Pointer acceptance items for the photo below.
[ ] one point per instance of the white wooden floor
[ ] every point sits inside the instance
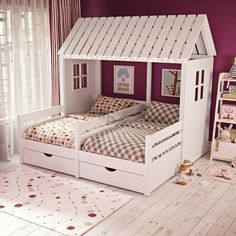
(203, 207)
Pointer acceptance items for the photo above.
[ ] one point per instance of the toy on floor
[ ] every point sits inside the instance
(233, 162)
(185, 173)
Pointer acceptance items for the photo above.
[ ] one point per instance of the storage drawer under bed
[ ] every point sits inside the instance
(112, 177)
(49, 161)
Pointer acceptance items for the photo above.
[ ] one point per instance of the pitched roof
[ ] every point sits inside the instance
(146, 38)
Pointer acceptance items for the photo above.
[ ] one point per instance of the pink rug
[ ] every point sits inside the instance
(64, 204)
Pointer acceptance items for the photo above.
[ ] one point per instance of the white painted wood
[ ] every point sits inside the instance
(153, 36)
(222, 150)
(143, 36)
(207, 38)
(77, 37)
(197, 195)
(151, 174)
(232, 229)
(117, 36)
(225, 151)
(27, 229)
(111, 162)
(65, 160)
(71, 36)
(93, 36)
(17, 224)
(162, 37)
(133, 39)
(193, 36)
(182, 37)
(125, 37)
(85, 38)
(195, 121)
(115, 177)
(196, 216)
(149, 82)
(224, 221)
(215, 212)
(108, 37)
(172, 37)
(57, 163)
(102, 34)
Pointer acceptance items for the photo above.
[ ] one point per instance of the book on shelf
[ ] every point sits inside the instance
(228, 112)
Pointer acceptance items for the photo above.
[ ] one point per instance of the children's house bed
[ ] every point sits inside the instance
(183, 40)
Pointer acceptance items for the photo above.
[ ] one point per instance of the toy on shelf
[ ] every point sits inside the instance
(228, 112)
(225, 134)
(232, 72)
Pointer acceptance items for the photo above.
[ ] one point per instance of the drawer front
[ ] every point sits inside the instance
(112, 177)
(49, 161)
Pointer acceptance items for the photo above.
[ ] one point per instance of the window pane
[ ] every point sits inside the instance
(202, 80)
(197, 77)
(84, 69)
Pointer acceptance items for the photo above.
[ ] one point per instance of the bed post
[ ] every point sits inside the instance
(147, 159)
(62, 82)
(149, 82)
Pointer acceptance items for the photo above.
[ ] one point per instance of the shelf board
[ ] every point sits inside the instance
(227, 99)
(230, 80)
(226, 121)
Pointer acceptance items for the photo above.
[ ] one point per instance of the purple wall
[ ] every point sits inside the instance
(222, 20)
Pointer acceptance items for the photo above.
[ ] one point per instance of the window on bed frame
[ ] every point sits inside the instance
(199, 85)
(80, 76)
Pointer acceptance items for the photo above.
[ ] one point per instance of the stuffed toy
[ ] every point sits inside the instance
(225, 134)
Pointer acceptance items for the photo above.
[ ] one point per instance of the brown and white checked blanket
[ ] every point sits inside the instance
(58, 132)
(125, 141)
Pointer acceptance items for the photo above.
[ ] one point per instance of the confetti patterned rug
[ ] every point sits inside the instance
(64, 204)
(223, 173)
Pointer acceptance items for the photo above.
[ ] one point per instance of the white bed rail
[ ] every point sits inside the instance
(162, 155)
(111, 119)
(24, 121)
(162, 142)
(41, 113)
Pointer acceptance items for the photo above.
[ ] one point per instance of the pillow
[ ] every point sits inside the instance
(105, 105)
(164, 113)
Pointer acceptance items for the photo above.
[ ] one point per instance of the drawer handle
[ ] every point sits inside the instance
(47, 154)
(110, 169)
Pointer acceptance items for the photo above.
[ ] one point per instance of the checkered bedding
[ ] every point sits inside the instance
(125, 141)
(58, 132)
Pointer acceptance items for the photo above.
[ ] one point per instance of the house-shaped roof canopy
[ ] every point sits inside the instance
(147, 38)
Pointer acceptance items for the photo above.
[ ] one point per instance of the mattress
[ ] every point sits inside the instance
(58, 132)
(125, 141)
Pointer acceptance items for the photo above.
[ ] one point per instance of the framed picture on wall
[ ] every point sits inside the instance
(171, 80)
(124, 79)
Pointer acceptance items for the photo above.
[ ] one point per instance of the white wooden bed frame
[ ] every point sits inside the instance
(55, 157)
(181, 39)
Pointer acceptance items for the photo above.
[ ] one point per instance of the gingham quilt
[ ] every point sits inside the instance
(58, 132)
(125, 141)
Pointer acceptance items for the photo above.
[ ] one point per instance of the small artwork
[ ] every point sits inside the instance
(124, 79)
(171, 82)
